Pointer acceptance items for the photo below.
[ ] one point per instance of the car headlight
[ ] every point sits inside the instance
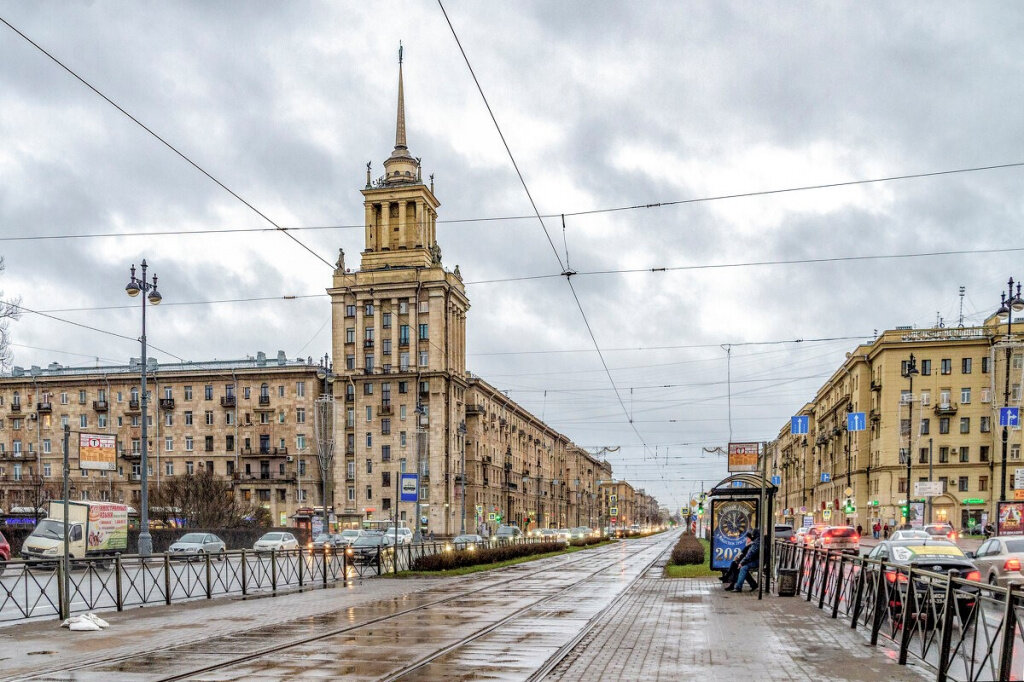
(52, 550)
(349, 551)
(472, 548)
(447, 548)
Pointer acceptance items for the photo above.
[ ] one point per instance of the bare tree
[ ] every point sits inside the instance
(205, 500)
(9, 310)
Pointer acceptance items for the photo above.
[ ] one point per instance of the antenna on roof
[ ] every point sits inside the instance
(963, 290)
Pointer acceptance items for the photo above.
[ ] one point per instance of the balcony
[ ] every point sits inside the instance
(385, 408)
(474, 410)
(15, 408)
(133, 405)
(368, 343)
(130, 454)
(876, 385)
(875, 415)
(166, 403)
(264, 404)
(227, 401)
(100, 405)
(44, 408)
(945, 408)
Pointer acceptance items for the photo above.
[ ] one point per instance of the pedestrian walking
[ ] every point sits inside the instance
(876, 529)
(860, 530)
(749, 561)
(885, 531)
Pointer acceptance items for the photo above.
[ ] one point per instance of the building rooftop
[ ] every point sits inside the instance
(260, 360)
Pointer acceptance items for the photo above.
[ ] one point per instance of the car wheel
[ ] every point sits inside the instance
(992, 579)
(220, 557)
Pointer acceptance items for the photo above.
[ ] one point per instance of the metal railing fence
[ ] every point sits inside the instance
(963, 630)
(33, 589)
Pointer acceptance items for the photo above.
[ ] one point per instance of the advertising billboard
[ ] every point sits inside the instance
(743, 457)
(730, 521)
(1011, 518)
(97, 451)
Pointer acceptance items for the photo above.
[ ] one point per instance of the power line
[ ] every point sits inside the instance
(165, 142)
(596, 211)
(677, 347)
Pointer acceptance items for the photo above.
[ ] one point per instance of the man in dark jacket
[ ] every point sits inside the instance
(749, 561)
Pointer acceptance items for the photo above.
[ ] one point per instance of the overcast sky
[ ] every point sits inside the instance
(603, 105)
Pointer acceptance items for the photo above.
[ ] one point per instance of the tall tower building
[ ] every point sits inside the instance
(399, 326)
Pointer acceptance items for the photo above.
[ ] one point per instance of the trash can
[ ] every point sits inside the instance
(787, 582)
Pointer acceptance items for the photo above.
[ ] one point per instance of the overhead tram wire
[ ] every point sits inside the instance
(596, 211)
(167, 144)
(565, 271)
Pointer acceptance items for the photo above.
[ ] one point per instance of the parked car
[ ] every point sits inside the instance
(580, 533)
(935, 555)
(5, 552)
(941, 530)
(783, 531)
(548, 534)
(348, 536)
(839, 539)
(999, 560)
(564, 534)
(320, 541)
(367, 546)
(468, 541)
(194, 545)
(507, 533)
(404, 535)
(811, 533)
(276, 541)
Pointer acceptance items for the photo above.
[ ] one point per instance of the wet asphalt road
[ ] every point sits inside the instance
(499, 625)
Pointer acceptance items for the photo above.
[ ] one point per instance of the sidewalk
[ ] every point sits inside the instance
(689, 628)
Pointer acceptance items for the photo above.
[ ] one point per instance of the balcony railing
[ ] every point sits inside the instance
(166, 403)
(368, 343)
(100, 405)
(474, 409)
(876, 385)
(264, 400)
(228, 401)
(945, 408)
(16, 408)
(44, 408)
(385, 408)
(134, 405)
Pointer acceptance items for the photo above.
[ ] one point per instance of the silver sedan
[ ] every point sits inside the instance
(194, 545)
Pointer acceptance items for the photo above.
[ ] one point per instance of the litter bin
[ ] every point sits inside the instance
(787, 582)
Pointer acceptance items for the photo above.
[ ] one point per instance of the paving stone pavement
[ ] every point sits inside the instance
(689, 628)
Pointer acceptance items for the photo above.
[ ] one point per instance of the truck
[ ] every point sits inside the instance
(96, 529)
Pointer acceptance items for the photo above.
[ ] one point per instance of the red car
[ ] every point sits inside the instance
(5, 552)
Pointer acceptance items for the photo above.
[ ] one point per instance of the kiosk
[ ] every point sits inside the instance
(735, 509)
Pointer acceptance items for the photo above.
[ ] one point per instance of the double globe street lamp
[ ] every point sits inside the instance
(1010, 303)
(133, 288)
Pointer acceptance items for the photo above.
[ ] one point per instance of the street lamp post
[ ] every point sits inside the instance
(134, 286)
(324, 425)
(418, 535)
(909, 373)
(462, 435)
(1008, 306)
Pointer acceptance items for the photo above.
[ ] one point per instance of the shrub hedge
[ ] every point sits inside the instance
(584, 542)
(446, 561)
(688, 550)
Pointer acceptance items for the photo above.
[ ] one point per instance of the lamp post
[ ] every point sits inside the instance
(1009, 304)
(462, 476)
(324, 425)
(418, 535)
(134, 286)
(909, 373)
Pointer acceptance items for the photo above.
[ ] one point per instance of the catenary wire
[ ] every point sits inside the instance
(167, 144)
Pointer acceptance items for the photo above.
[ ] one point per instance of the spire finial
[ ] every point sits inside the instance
(400, 127)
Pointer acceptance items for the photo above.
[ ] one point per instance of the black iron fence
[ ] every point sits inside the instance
(33, 589)
(962, 629)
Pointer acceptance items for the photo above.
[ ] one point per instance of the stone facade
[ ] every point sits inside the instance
(949, 420)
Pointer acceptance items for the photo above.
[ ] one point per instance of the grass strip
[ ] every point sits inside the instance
(694, 570)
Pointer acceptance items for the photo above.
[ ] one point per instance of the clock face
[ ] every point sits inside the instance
(733, 523)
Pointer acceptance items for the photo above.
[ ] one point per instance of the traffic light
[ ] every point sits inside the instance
(700, 509)
(905, 510)
(849, 508)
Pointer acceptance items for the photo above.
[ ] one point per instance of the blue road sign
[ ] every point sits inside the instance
(856, 421)
(825, 478)
(1009, 416)
(798, 425)
(776, 480)
(410, 487)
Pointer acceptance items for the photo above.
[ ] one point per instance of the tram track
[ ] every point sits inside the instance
(143, 663)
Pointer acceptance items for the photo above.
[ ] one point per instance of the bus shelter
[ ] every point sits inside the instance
(735, 509)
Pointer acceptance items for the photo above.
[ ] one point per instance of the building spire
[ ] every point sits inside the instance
(400, 127)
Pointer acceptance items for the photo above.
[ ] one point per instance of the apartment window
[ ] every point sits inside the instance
(168, 444)
(280, 391)
(401, 412)
(300, 389)
(965, 424)
(169, 468)
(982, 483)
(350, 362)
(368, 388)
(385, 347)
(945, 483)
(188, 418)
(943, 424)
(424, 358)
(300, 441)
(386, 320)
(351, 493)
(1018, 361)
(385, 426)
(189, 444)
(403, 335)
(46, 446)
(986, 395)
(926, 425)
(983, 453)
(385, 453)
(302, 467)
(246, 392)
(208, 443)
(1015, 392)
(369, 363)
(965, 453)
(369, 492)
(209, 417)
(965, 366)
(403, 386)
(922, 456)
(984, 365)
(369, 439)
(423, 332)
(926, 398)
(986, 424)
(83, 421)
(403, 307)
(350, 311)
(64, 398)
(350, 417)
(350, 335)
(368, 310)
(168, 419)
(424, 307)
(926, 367)
(47, 471)
(385, 479)
(401, 437)
(947, 366)
(403, 362)
(965, 396)
(81, 397)
(280, 417)
(368, 336)
(188, 393)
(944, 455)
(208, 392)
(300, 415)
(369, 413)
(962, 487)
(369, 466)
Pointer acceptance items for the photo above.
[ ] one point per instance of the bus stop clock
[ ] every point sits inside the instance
(733, 522)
